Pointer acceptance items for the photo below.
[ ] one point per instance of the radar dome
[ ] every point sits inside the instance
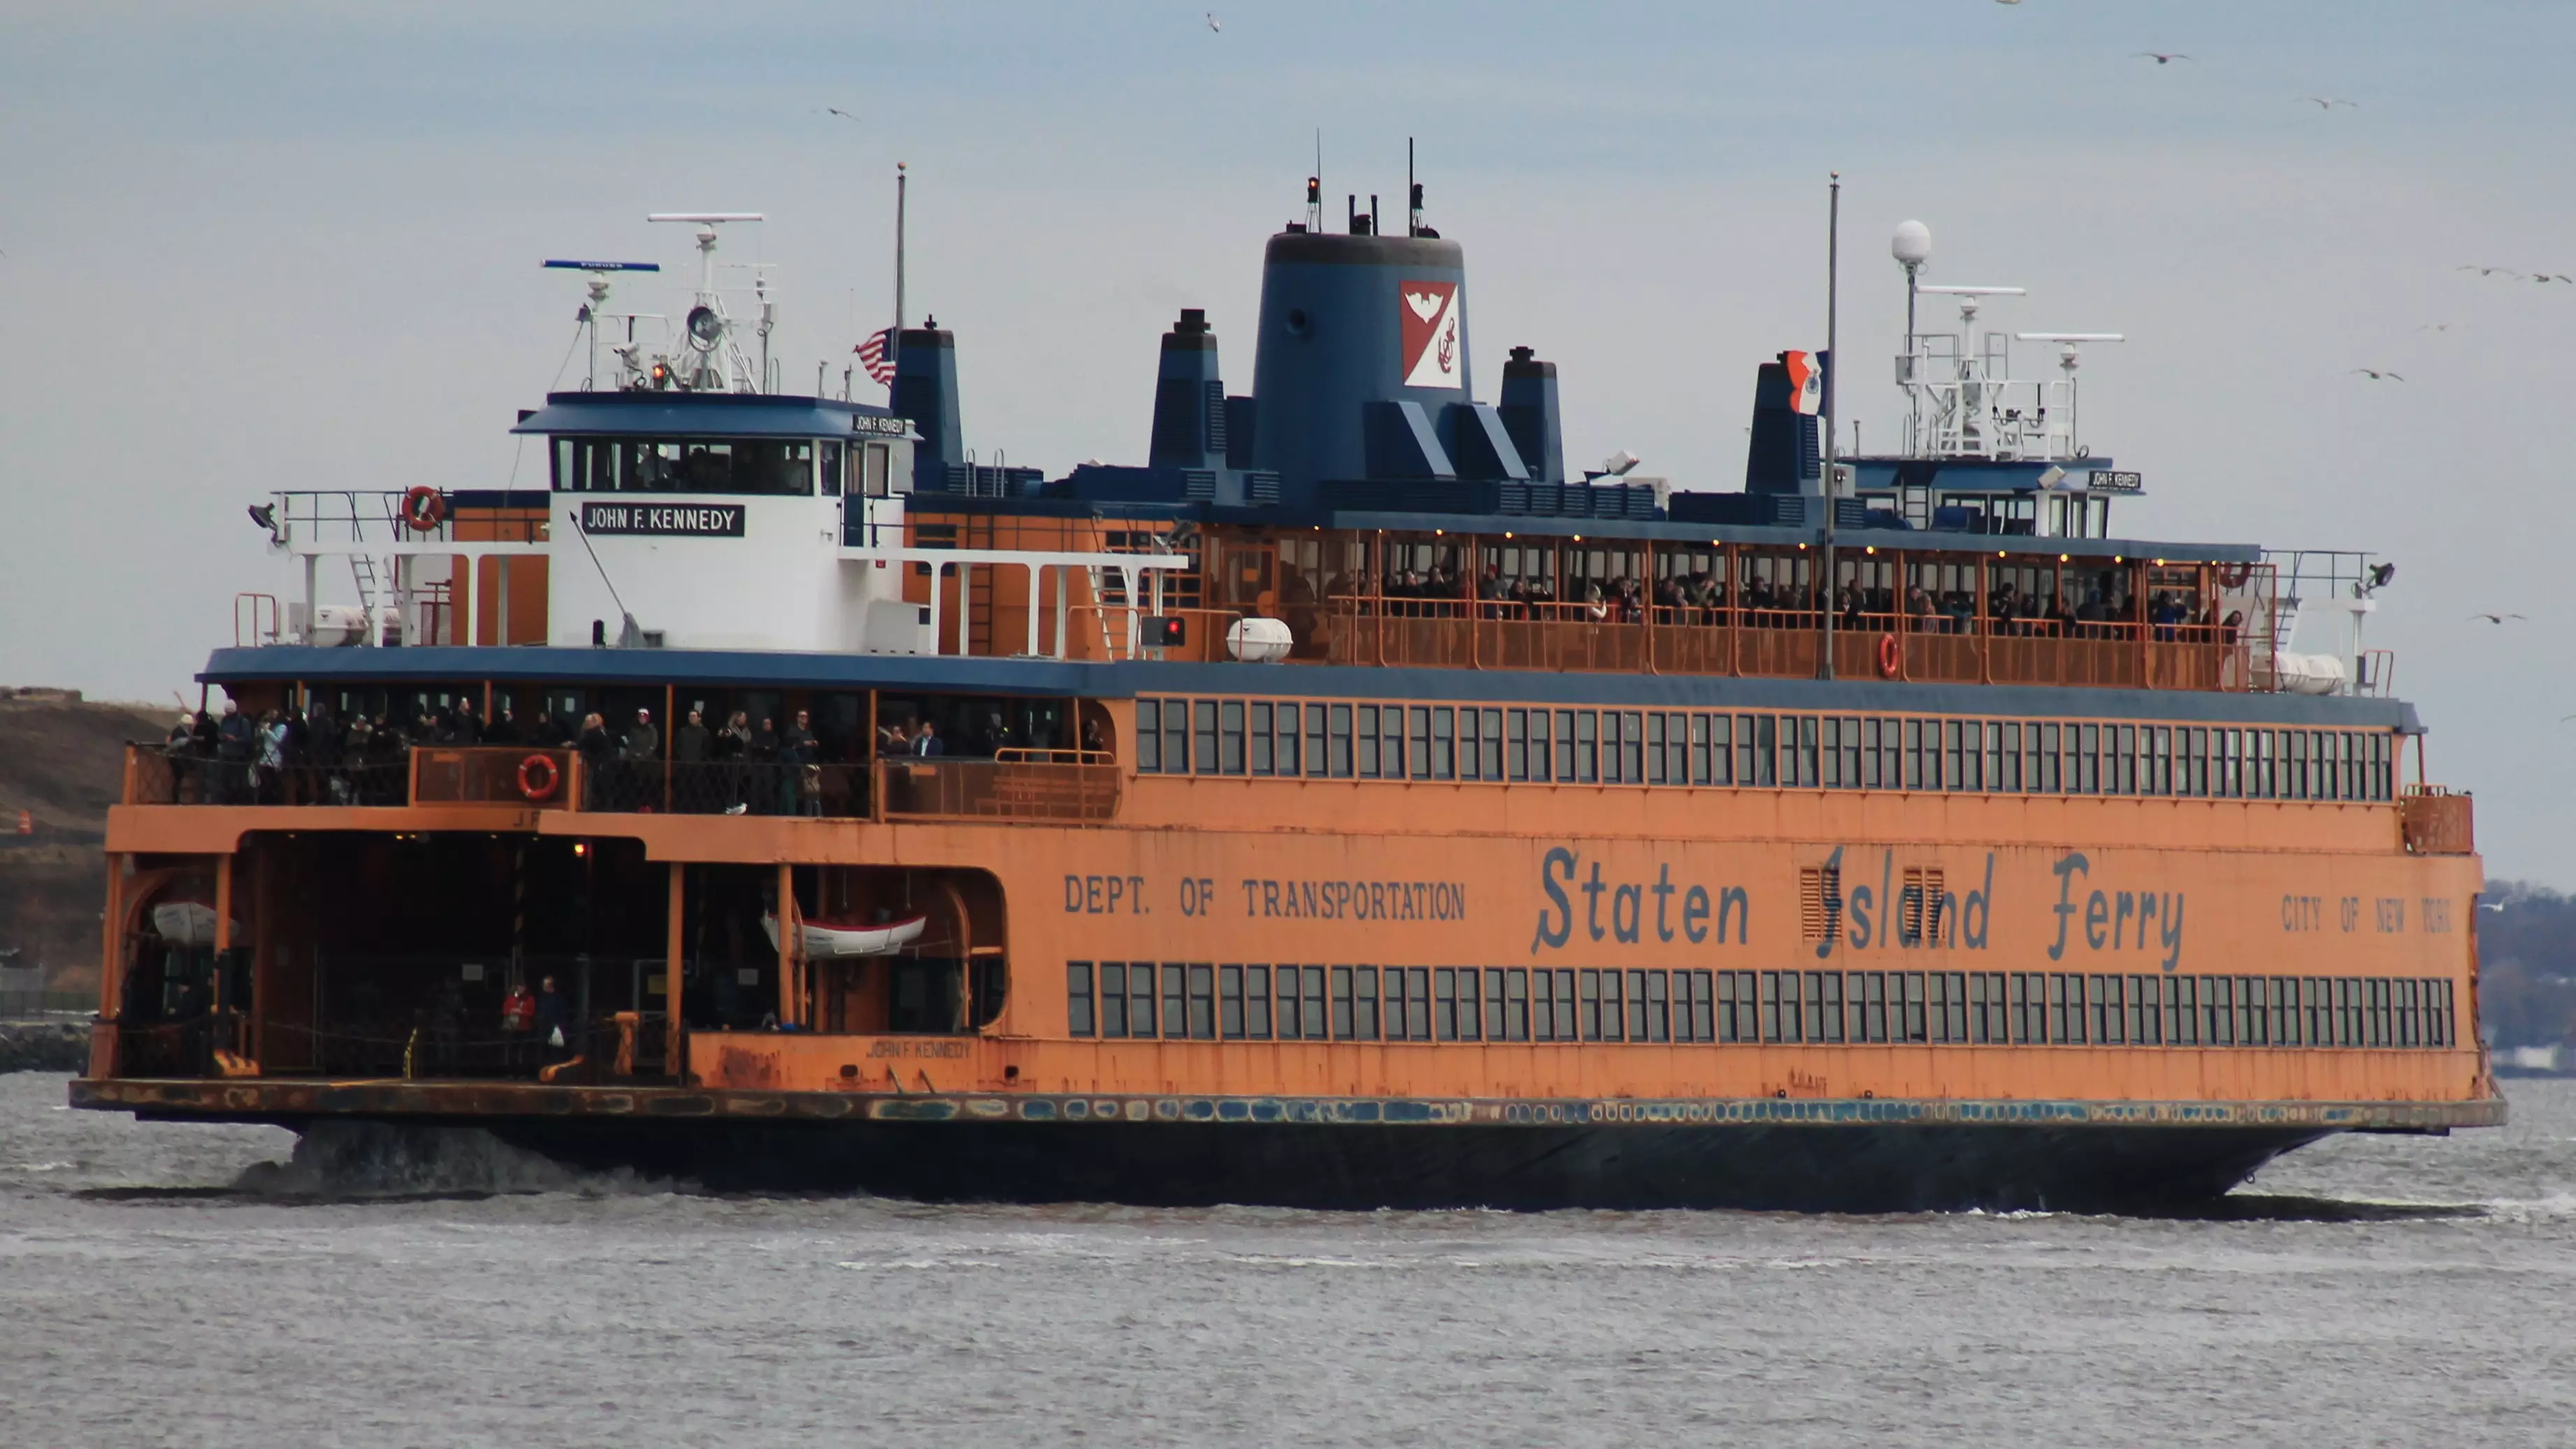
(1912, 244)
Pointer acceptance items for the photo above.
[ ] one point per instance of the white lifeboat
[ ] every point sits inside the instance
(188, 923)
(824, 940)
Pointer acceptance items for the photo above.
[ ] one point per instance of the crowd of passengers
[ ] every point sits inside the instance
(2102, 611)
(291, 756)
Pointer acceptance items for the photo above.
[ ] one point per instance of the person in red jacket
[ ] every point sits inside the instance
(518, 1009)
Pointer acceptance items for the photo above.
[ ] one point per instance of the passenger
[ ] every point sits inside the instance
(518, 1008)
(1095, 738)
(272, 758)
(555, 1026)
(928, 744)
(597, 752)
(643, 742)
(236, 754)
(801, 791)
(690, 745)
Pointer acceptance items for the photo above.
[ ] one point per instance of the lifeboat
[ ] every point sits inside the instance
(827, 940)
(188, 923)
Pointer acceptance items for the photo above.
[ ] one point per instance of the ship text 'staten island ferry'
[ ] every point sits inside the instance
(1346, 807)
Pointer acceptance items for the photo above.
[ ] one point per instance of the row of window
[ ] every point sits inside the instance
(1798, 751)
(1208, 1002)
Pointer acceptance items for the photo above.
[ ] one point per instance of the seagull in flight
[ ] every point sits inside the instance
(2376, 374)
(2551, 277)
(2496, 619)
(1212, 23)
(837, 111)
(2162, 57)
(2486, 271)
(2441, 327)
(2328, 103)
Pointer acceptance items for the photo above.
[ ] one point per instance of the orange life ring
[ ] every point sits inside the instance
(1891, 655)
(424, 508)
(538, 777)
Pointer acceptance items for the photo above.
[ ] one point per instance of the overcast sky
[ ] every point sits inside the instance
(251, 246)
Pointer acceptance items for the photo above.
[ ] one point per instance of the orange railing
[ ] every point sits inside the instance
(1008, 789)
(1781, 643)
(491, 775)
(2437, 822)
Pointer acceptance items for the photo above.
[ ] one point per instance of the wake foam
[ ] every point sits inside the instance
(339, 1159)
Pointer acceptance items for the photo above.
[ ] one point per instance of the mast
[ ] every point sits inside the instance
(1833, 266)
(894, 339)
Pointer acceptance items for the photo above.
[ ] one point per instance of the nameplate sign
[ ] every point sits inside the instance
(669, 520)
(876, 427)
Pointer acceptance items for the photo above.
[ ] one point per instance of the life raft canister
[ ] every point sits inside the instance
(424, 508)
(538, 777)
(1891, 655)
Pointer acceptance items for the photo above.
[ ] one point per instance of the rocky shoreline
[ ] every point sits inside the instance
(44, 1046)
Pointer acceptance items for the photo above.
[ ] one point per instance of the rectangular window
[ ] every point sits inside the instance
(1444, 742)
(1770, 1004)
(1565, 746)
(1540, 755)
(1587, 744)
(1078, 1006)
(1469, 756)
(1203, 1003)
(1703, 1006)
(1721, 749)
(1421, 756)
(1229, 1003)
(1870, 776)
(1734, 1012)
(1290, 1020)
(1489, 748)
(1587, 1004)
(1140, 999)
(1913, 1027)
(1914, 754)
(1256, 1003)
(1149, 737)
(1176, 737)
(1176, 1021)
(1368, 742)
(1318, 752)
(1632, 748)
(1656, 771)
(1417, 1003)
(1113, 999)
(1955, 774)
(1341, 742)
(1261, 742)
(1516, 1012)
(1495, 1021)
(1470, 1018)
(1203, 738)
(1444, 1004)
(1284, 741)
(1658, 1006)
(1516, 744)
(1341, 1003)
(1806, 752)
(1364, 1009)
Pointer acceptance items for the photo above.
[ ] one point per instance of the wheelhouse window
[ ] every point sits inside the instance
(733, 466)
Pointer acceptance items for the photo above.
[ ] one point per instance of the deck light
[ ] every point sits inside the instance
(1873, 548)
(581, 847)
(2061, 558)
(2115, 558)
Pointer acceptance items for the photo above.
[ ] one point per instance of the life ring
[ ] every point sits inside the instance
(538, 777)
(424, 508)
(1891, 655)
(2233, 576)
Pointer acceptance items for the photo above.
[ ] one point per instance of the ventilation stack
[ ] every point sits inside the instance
(1785, 454)
(1360, 369)
(1189, 399)
(925, 391)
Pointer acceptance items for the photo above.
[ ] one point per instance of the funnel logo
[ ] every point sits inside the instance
(1806, 382)
(1431, 350)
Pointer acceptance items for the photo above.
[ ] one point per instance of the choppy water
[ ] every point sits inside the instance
(171, 1284)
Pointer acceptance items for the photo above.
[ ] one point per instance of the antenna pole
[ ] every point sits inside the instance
(894, 340)
(1412, 193)
(1833, 271)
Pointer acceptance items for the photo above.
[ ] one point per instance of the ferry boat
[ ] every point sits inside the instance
(1350, 806)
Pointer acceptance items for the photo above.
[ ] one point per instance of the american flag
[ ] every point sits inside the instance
(872, 356)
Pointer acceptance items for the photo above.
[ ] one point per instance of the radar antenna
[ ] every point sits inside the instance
(718, 364)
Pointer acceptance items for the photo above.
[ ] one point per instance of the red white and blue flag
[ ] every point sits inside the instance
(872, 356)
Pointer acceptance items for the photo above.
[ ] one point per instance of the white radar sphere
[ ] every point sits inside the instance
(1912, 244)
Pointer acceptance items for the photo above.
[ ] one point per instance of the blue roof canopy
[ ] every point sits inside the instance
(706, 415)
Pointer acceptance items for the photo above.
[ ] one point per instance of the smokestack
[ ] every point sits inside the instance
(1530, 415)
(1189, 398)
(925, 390)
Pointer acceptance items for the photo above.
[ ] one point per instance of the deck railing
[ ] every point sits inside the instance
(1777, 643)
(1058, 785)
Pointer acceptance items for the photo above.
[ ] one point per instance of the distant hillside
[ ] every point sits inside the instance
(62, 762)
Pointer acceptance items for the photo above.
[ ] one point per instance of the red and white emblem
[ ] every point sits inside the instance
(1806, 382)
(1431, 339)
